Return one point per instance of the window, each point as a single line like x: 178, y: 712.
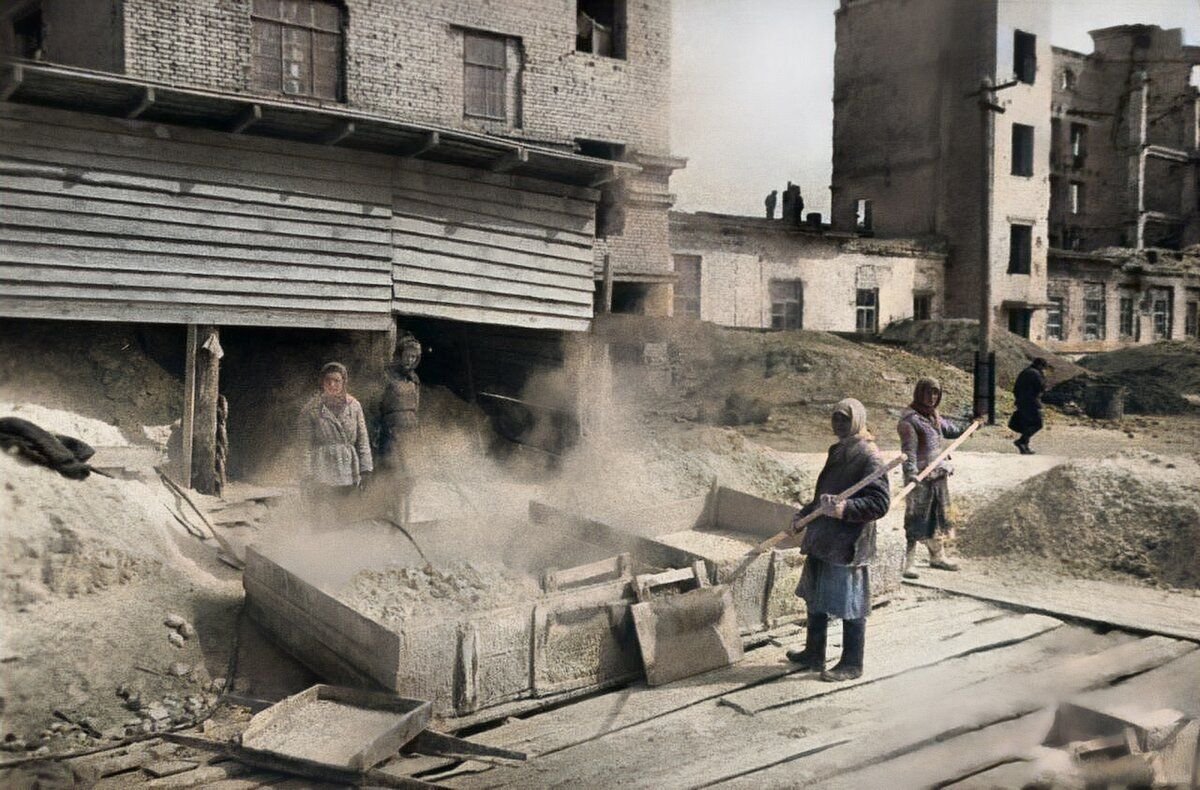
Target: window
x: 1128, y: 327
x: 1191, y: 321
x: 1022, y: 150
x: 1076, y: 197
x: 1025, y: 56
x: 600, y: 27
x: 1162, y: 311
x: 297, y: 48
x: 1019, y: 320
x: 687, y: 286
x: 862, y: 215
x: 787, y: 304
x: 1068, y: 79
x: 1055, y: 314
x: 1078, y: 144
x: 866, y: 310
x: 922, y: 307
x: 1094, y: 314
x: 485, y: 76
x: 1020, y: 249
x: 28, y: 34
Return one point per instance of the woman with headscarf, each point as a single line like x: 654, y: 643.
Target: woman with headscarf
x: 835, y: 581
x: 333, y: 433
x: 922, y: 429
x: 398, y: 411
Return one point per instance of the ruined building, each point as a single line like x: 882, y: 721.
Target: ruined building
x: 1020, y: 156
x: 481, y: 173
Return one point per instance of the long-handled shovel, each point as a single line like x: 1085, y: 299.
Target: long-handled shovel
x: 801, y: 523
x: 937, y: 461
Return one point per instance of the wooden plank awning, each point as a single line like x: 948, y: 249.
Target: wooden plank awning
x: 120, y: 96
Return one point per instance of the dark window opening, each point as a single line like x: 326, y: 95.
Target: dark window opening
x: 1020, y: 249
x: 1068, y: 80
x: 1025, y: 56
x: 922, y: 307
x: 1128, y: 327
x: 1055, y: 315
x: 1095, y: 314
x: 1162, y: 310
x: 610, y: 214
x: 297, y: 48
x: 1076, y: 197
x: 28, y: 34
x: 485, y: 76
x: 1022, y: 150
x: 630, y: 297
x: 687, y: 285
x: 1078, y: 144
x: 866, y: 310
x: 787, y: 304
x: 863, y: 221
x: 1019, y: 319
x: 600, y: 27
x: 1191, y: 321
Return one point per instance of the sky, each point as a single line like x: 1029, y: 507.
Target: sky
x: 752, y: 88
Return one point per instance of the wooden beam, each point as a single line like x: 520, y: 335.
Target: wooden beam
x: 608, y: 176
x: 189, y: 405
x: 207, y: 372
x: 248, y: 117
x: 12, y: 81
x: 338, y: 133
x: 143, y: 105
x: 511, y: 160
x: 428, y: 142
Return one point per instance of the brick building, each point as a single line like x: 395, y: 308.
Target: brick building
x: 473, y: 171
x: 974, y: 121
x: 756, y: 273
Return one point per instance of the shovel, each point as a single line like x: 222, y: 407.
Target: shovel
x: 800, y: 524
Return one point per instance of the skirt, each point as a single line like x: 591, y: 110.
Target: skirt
x: 925, y: 509
x: 839, y: 591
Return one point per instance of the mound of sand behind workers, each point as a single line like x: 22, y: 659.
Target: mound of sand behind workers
x: 1134, y: 515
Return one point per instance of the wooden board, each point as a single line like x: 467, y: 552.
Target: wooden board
x: 686, y: 634
x: 1137, y: 609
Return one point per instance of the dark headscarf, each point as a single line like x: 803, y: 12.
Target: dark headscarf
x: 924, y: 385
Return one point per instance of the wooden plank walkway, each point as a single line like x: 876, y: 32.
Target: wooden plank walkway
x: 1141, y: 610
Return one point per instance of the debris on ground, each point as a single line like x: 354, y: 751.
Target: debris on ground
x: 1136, y: 515
x: 1160, y: 378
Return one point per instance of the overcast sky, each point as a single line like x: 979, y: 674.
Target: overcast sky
x: 752, y: 87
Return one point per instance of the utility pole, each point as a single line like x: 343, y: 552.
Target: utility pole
x: 985, y: 358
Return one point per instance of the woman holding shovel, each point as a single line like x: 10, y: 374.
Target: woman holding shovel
x: 836, y: 581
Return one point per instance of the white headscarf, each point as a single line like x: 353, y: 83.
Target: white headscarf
x: 853, y: 408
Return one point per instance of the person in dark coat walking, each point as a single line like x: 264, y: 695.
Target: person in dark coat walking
x: 1027, y: 391
x: 922, y: 430
x: 835, y: 581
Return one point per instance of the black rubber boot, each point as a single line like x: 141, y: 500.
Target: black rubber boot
x: 812, y: 657
x: 854, y: 638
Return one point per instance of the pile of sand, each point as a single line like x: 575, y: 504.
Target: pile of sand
x: 1160, y: 378
x: 393, y: 595
x: 1135, y: 515
x: 92, y: 570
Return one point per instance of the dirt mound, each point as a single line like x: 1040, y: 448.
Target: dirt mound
x: 92, y: 570
x: 1160, y: 378
x: 954, y: 341
x: 1134, y: 515
x: 99, y: 372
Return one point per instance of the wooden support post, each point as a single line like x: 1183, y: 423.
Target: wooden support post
x: 146, y: 101
x: 189, y: 405
x: 245, y: 119
x: 11, y: 82
x: 608, y: 284
x: 510, y: 161
x: 428, y: 142
x: 204, y: 448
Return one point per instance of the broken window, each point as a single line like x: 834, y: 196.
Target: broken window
x: 485, y: 76
x: 28, y: 33
x: 1068, y: 79
x: 787, y: 304
x: 1055, y: 315
x: 1162, y: 311
x: 687, y: 285
x: 922, y: 307
x: 1025, y: 56
x: 600, y: 27
x: 1019, y: 320
x: 1076, y: 197
x: 1022, y: 150
x: 1020, y: 249
x: 1094, y: 313
x: 1127, y: 326
x: 1078, y: 144
x: 297, y: 48
x: 866, y: 310
x: 862, y: 215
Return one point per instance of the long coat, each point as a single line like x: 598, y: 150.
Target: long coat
x: 926, y: 511
x: 850, y: 540
x: 336, y: 446
x: 1027, y: 391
